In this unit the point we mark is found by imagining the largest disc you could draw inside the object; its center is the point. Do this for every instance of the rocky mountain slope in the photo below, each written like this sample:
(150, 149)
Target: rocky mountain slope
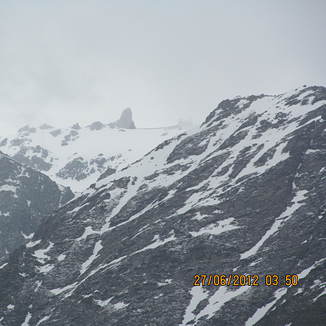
(26, 196)
(244, 195)
(77, 156)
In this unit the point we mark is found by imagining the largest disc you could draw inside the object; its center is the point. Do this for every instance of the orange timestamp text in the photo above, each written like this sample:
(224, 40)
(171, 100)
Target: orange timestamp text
(245, 280)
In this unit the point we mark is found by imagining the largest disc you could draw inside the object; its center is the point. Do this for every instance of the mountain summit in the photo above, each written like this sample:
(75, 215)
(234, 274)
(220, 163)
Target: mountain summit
(125, 121)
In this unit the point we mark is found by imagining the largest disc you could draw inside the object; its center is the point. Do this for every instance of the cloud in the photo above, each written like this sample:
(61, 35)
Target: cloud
(63, 62)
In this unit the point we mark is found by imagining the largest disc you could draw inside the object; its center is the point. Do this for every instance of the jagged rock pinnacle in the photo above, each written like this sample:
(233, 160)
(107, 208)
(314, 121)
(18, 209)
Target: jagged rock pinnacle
(125, 121)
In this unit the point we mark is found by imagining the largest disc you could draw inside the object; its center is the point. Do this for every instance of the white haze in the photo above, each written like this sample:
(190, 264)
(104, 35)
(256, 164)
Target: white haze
(79, 61)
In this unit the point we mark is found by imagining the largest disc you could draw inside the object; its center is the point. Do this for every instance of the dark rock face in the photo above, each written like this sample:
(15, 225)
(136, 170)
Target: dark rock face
(27, 130)
(56, 132)
(76, 126)
(79, 168)
(248, 198)
(125, 121)
(107, 173)
(37, 158)
(26, 197)
(45, 126)
(72, 136)
(74, 169)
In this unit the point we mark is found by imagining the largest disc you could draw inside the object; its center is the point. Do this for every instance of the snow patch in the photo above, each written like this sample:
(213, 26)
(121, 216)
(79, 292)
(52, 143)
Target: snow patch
(222, 226)
(320, 295)
(3, 265)
(61, 257)
(218, 299)
(40, 254)
(115, 306)
(166, 282)
(42, 320)
(306, 271)
(198, 217)
(88, 231)
(32, 243)
(64, 289)
(27, 237)
(97, 248)
(157, 243)
(45, 269)
(27, 319)
(8, 188)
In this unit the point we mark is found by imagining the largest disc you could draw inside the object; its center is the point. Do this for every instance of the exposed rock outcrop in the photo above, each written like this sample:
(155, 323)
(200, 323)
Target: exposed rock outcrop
(125, 121)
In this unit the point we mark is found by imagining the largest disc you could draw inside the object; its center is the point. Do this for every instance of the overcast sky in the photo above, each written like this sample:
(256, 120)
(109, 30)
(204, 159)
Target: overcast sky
(80, 61)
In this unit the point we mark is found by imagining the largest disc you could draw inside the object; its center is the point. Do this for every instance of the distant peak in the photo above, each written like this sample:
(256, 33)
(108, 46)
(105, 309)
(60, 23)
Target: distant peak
(303, 95)
(125, 121)
(26, 130)
(126, 111)
(45, 126)
(97, 125)
(76, 126)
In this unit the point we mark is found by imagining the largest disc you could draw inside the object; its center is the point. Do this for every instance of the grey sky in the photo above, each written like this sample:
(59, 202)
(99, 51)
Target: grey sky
(68, 61)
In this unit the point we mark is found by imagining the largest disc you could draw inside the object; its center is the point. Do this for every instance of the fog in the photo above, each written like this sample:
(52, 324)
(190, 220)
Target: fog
(63, 62)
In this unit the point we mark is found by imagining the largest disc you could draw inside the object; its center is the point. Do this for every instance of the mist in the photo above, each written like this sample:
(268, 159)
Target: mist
(80, 61)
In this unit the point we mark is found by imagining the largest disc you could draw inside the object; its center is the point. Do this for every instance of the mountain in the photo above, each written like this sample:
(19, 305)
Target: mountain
(125, 121)
(77, 156)
(26, 197)
(244, 195)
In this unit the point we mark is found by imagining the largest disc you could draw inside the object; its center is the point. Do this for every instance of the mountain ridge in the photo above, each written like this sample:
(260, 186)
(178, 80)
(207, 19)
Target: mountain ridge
(77, 156)
(245, 194)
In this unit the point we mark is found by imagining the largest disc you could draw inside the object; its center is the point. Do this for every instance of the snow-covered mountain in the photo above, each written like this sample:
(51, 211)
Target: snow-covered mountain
(26, 197)
(77, 156)
(245, 195)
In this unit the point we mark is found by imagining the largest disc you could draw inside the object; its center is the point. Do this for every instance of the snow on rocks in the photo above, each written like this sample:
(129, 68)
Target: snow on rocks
(297, 202)
(262, 311)
(217, 228)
